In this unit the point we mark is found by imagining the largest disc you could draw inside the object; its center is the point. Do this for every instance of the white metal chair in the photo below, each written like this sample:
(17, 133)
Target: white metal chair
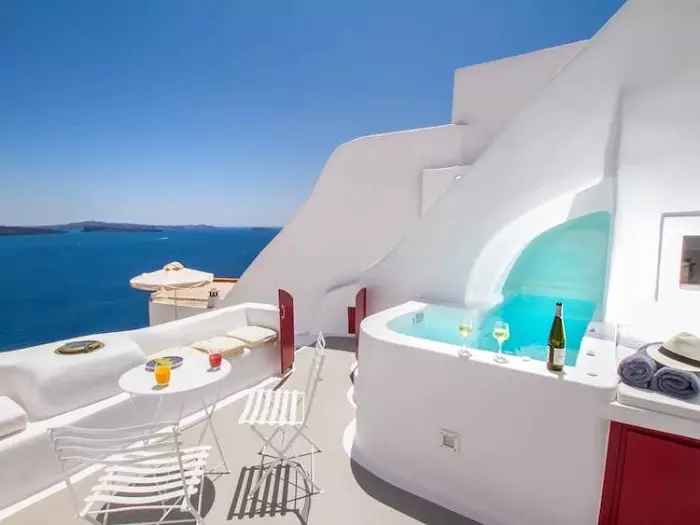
(146, 468)
(285, 410)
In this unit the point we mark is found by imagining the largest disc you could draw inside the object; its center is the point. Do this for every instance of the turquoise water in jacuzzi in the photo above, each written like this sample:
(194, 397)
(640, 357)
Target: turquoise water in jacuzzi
(528, 316)
(569, 260)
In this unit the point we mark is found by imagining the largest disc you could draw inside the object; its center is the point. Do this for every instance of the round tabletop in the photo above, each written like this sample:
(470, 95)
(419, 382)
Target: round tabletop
(192, 375)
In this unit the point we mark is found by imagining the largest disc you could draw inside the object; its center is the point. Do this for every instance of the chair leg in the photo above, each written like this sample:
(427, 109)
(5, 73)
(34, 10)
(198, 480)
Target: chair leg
(187, 505)
(313, 445)
(300, 468)
(201, 494)
(106, 514)
(264, 447)
(309, 479)
(198, 519)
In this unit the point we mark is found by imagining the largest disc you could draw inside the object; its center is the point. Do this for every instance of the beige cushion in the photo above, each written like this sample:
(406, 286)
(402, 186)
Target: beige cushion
(12, 417)
(253, 335)
(228, 346)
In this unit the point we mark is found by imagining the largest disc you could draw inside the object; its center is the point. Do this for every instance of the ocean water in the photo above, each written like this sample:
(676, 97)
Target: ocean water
(64, 285)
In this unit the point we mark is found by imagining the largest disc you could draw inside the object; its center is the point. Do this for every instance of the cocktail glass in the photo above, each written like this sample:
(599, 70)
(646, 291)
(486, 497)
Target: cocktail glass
(215, 360)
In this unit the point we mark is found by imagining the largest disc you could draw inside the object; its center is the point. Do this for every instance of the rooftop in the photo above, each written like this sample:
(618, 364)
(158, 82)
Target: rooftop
(194, 297)
(352, 495)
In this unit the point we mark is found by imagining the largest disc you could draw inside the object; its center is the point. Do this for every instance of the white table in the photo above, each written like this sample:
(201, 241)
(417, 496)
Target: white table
(192, 378)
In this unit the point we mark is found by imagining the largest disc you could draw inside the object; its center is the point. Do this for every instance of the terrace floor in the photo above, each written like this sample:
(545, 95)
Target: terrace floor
(352, 495)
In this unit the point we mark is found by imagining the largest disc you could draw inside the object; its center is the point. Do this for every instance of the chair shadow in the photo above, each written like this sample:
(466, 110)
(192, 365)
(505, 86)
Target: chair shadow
(147, 515)
(284, 492)
(421, 510)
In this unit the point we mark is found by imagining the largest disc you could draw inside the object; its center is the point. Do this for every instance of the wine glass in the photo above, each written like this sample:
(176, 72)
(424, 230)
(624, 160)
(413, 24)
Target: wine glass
(501, 333)
(466, 327)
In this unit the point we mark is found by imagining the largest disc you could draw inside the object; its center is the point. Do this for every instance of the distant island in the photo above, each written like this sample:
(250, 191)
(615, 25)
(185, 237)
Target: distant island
(96, 227)
(117, 228)
(27, 230)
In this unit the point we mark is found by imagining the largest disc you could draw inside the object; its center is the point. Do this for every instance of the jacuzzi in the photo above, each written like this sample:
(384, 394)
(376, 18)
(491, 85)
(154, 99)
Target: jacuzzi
(504, 444)
(528, 316)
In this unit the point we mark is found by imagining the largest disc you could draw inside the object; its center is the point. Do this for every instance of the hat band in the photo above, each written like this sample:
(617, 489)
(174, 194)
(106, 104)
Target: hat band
(680, 358)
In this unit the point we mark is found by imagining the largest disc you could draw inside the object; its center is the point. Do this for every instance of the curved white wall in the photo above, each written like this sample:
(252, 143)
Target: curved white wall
(368, 193)
(560, 144)
(488, 95)
(374, 189)
(493, 263)
(503, 472)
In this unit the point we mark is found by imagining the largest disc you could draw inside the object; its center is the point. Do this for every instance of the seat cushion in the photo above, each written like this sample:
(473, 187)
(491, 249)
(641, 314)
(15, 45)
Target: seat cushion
(253, 335)
(228, 346)
(12, 417)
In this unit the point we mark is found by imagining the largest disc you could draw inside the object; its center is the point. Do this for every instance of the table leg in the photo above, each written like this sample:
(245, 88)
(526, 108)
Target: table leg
(209, 412)
(156, 413)
(153, 419)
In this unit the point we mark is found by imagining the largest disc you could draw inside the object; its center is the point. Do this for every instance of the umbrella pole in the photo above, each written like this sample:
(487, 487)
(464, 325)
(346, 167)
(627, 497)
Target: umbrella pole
(175, 295)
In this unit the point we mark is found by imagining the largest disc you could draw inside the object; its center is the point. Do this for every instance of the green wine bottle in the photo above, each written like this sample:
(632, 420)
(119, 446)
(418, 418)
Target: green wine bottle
(556, 345)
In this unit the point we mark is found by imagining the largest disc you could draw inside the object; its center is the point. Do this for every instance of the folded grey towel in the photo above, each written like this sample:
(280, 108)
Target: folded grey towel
(676, 383)
(637, 369)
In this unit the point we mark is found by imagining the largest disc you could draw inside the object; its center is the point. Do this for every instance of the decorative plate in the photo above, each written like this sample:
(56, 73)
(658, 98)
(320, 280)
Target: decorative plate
(79, 347)
(172, 361)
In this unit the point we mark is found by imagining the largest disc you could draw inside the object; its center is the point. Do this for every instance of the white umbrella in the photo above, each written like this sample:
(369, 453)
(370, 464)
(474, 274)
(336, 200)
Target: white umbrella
(173, 276)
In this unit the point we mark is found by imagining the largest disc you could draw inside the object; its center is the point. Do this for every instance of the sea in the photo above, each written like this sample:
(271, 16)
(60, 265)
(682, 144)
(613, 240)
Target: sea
(58, 286)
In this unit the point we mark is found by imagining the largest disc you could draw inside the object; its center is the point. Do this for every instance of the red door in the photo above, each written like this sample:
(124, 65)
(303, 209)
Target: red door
(661, 483)
(656, 479)
(360, 314)
(351, 320)
(286, 312)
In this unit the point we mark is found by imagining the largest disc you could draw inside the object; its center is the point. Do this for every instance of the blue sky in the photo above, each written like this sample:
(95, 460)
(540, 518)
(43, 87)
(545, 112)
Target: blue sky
(124, 109)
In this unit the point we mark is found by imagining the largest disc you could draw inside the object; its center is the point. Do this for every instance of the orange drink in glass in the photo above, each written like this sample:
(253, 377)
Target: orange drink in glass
(162, 374)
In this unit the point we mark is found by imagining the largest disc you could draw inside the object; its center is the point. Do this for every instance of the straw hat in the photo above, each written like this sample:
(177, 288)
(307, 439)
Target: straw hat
(682, 351)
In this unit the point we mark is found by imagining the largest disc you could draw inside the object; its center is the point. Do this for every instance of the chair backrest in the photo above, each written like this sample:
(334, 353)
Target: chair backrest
(76, 448)
(315, 372)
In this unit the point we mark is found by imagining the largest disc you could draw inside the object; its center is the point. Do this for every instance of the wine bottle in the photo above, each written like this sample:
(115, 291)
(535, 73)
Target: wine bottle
(556, 345)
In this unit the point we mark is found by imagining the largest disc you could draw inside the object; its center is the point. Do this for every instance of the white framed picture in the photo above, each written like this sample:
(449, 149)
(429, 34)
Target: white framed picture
(679, 259)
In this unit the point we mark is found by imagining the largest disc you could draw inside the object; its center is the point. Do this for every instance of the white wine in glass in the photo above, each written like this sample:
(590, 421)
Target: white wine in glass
(466, 327)
(501, 333)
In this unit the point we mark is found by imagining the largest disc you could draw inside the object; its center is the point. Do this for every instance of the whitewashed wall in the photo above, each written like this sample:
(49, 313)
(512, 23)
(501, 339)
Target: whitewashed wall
(502, 472)
(659, 173)
(366, 196)
(159, 313)
(487, 96)
(435, 182)
(373, 189)
(560, 144)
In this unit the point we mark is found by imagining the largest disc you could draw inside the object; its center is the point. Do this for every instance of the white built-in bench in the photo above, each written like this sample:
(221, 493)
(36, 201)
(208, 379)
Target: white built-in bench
(13, 418)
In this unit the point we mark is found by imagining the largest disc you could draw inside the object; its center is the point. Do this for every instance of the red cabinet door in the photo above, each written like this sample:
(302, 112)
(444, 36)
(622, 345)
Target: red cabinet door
(660, 481)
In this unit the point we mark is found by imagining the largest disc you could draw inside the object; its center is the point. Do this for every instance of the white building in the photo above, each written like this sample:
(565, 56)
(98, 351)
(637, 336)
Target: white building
(569, 173)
